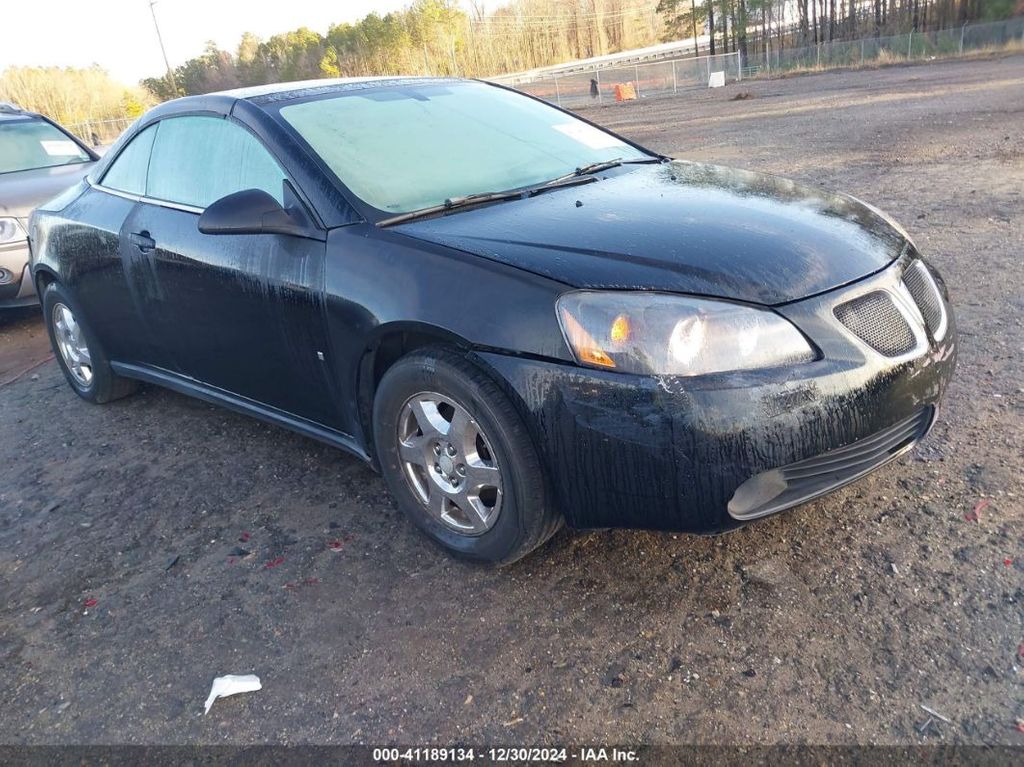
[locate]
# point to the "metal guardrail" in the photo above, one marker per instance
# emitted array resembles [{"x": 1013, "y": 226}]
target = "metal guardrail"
[{"x": 677, "y": 49}]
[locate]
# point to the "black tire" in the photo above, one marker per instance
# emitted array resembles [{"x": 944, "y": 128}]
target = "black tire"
[
  {"x": 105, "y": 385},
  {"x": 527, "y": 516}
]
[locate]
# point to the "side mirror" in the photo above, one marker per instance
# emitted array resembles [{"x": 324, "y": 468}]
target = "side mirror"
[{"x": 251, "y": 211}]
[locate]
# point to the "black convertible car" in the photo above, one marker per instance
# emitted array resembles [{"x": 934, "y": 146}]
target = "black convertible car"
[{"x": 518, "y": 317}]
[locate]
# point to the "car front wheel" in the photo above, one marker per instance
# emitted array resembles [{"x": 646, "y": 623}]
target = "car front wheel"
[
  {"x": 458, "y": 459},
  {"x": 78, "y": 352}
]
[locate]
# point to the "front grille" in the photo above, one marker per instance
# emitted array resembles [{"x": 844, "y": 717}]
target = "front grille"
[
  {"x": 922, "y": 287},
  {"x": 876, "y": 320},
  {"x": 779, "y": 489}
]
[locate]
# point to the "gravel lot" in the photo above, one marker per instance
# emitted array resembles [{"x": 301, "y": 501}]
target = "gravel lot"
[{"x": 832, "y": 623}]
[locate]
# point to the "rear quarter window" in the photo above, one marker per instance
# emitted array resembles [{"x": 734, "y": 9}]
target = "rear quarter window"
[{"x": 128, "y": 172}]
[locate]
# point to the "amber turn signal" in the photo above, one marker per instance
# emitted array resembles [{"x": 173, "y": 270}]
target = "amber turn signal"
[
  {"x": 620, "y": 329},
  {"x": 586, "y": 348}
]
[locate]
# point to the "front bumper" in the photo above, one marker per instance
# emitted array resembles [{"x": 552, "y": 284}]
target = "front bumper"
[
  {"x": 670, "y": 453},
  {"x": 16, "y": 285}
]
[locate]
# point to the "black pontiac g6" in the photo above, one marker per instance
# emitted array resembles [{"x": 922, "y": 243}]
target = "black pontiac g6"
[{"x": 516, "y": 316}]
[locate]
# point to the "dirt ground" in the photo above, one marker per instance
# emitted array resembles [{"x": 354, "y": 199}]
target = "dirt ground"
[
  {"x": 126, "y": 586},
  {"x": 24, "y": 344}
]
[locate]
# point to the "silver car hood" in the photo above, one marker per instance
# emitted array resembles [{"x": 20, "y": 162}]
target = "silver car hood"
[{"x": 23, "y": 191}]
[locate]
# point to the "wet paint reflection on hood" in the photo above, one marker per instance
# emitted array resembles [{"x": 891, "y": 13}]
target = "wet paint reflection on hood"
[{"x": 682, "y": 227}]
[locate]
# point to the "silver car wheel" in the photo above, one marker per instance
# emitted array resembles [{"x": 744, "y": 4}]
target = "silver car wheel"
[
  {"x": 71, "y": 344},
  {"x": 449, "y": 463}
]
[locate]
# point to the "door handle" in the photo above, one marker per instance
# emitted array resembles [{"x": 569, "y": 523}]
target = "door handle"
[{"x": 142, "y": 241}]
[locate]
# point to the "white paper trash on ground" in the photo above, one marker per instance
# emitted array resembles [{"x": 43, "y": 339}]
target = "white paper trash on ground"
[
  {"x": 232, "y": 684},
  {"x": 716, "y": 80}
]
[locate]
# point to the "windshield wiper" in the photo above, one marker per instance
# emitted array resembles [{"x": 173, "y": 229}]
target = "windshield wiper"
[
  {"x": 597, "y": 167},
  {"x": 582, "y": 175},
  {"x": 570, "y": 180},
  {"x": 454, "y": 203}
]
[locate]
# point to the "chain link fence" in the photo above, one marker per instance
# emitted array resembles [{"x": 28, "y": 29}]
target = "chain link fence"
[
  {"x": 100, "y": 132},
  {"x": 598, "y": 86},
  {"x": 912, "y": 46}
]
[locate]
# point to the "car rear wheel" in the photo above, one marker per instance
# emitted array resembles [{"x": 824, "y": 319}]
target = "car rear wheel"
[
  {"x": 458, "y": 460},
  {"x": 78, "y": 352}
]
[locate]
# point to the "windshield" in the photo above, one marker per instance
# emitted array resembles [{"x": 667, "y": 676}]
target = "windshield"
[
  {"x": 409, "y": 147},
  {"x": 30, "y": 144}
]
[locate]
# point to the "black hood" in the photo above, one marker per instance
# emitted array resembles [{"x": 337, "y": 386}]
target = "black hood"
[
  {"x": 23, "y": 191},
  {"x": 681, "y": 227}
]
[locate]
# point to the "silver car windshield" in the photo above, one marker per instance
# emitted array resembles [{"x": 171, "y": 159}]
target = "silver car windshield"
[
  {"x": 409, "y": 147},
  {"x": 31, "y": 144}
]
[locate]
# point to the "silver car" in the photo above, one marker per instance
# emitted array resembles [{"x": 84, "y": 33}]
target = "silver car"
[{"x": 38, "y": 160}]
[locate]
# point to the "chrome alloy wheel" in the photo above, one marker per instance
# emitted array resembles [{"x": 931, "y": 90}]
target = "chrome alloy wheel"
[
  {"x": 448, "y": 461},
  {"x": 71, "y": 344}
]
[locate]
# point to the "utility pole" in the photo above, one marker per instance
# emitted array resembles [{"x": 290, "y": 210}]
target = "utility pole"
[
  {"x": 696, "y": 50},
  {"x": 160, "y": 39}
]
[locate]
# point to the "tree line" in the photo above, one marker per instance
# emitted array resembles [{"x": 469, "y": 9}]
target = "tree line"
[
  {"x": 436, "y": 37},
  {"x": 444, "y": 37},
  {"x": 73, "y": 96},
  {"x": 441, "y": 37},
  {"x": 742, "y": 25}
]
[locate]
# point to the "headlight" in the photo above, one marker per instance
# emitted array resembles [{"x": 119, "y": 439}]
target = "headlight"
[
  {"x": 10, "y": 231},
  {"x": 655, "y": 333}
]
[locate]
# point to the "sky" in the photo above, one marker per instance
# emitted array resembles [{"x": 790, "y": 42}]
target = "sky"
[{"x": 119, "y": 36}]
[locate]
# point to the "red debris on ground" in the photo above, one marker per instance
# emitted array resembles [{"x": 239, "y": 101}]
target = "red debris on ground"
[
  {"x": 339, "y": 543},
  {"x": 975, "y": 516},
  {"x": 244, "y": 537},
  {"x": 292, "y": 586},
  {"x": 274, "y": 562},
  {"x": 91, "y": 602},
  {"x": 1007, "y": 562}
]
